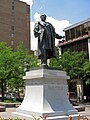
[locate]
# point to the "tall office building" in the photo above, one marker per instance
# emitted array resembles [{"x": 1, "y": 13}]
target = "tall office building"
[{"x": 15, "y": 22}]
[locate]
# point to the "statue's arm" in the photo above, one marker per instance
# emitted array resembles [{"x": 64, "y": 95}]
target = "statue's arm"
[
  {"x": 59, "y": 36},
  {"x": 36, "y": 30}
]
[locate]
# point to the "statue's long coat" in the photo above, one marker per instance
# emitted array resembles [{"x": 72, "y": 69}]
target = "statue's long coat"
[{"x": 46, "y": 39}]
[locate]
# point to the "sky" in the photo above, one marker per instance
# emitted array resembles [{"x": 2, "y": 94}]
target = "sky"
[{"x": 60, "y": 13}]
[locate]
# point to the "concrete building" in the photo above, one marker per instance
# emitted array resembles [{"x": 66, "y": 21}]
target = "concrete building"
[
  {"x": 15, "y": 23},
  {"x": 77, "y": 38}
]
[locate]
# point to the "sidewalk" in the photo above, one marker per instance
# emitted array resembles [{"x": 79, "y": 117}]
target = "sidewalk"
[
  {"x": 86, "y": 112},
  {"x": 8, "y": 113}
]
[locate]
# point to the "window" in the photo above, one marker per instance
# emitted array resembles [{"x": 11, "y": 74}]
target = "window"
[
  {"x": 84, "y": 29},
  {"x": 78, "y": 32},
  {"x": 12, "y": 35},
  {"x": 12, "y": 2},
  {"x": 12, "y": 28},
  {"x": 12, "y": 42},
  {"x": 12, "y": 7},
  {"x": 12, "y": 13},
  {"x": 89, "y": 27},
  {"x": 67, "y": 33},
  {"x": 72, "y": 33}
]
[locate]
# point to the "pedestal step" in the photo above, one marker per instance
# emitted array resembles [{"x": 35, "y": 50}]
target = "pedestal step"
[{"x": 63, "y": 117}]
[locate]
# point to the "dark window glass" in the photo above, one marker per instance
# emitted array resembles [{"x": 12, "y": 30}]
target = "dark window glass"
[
  {"x": 12, "y": 7},
  {"x": 89, "y": 26},
  {"x": 67, "y": 33},
  {"x": 78, "y": 32},
  {"x": 72, "y": 33},
  {"x": 12, "y": 27},
  {"x": 84, "y": 29}
]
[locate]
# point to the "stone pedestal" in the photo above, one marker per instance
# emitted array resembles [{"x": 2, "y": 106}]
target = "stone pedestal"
[{"x": 46, "y": 94}]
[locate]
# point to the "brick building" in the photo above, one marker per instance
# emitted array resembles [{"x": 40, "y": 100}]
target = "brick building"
[
  {"x": 15, "y": 22},
  {"x": 77, "y": 38}
]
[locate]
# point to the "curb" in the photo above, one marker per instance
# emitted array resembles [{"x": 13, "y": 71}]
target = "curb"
[{"x": 2, "y": 108}]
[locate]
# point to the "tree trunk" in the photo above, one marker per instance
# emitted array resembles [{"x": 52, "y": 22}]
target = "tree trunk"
[
  {"x": 2, "y": 90},
  {"x": 18, "y": 93}
]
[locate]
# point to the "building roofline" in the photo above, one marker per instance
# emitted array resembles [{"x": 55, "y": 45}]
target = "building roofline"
[
  {"x": 76, "y": 24},
  {"x": 72, "y": 41},
  {"x": 22, "y": 2}
]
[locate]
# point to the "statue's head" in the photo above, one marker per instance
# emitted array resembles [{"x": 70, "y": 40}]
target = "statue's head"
[{"x": 43, "y": 17}]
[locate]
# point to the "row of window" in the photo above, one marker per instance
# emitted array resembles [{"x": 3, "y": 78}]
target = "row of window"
[
  {"x": 12, "y": 27},
  {"x": 81, "y": 45},
  {"x": 79, "y": 31},
  {"x": 12, "y": 7}
]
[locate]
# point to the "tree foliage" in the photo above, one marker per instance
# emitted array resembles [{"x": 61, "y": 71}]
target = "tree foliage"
[
  {"x": 5, "y": 65},
  {"x": 22, "y": 62},
  {"x": 86, "y": 68},
  {"x": 71, "y": 62},
  {"x": 13, "y": 66}
]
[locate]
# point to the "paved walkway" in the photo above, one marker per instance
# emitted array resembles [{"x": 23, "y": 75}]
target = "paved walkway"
[
  {"x": 86, "y": 112},
  {"x": 8, "y": 113}
]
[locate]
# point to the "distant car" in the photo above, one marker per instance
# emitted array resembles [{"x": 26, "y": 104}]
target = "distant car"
[
  {"x": 13, "y": 96},
  {"x": 10, "y": 95}
]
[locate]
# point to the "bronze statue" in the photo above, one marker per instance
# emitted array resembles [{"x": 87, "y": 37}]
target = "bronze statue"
[{"x": 46, "y": 40}]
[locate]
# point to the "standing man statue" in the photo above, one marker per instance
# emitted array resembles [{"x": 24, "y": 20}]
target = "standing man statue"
[{"x": 46, "y": 40}]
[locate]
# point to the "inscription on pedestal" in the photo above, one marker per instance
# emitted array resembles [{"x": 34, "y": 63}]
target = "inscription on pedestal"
[
  {"x": 56, "y": 87},
  {"x": 46, "y": 81}
]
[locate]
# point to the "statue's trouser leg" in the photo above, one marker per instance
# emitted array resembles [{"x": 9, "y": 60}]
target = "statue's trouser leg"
[{"x": 44, "y": 60}]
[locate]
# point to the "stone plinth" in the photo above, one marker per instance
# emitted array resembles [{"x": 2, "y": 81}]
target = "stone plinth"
[{"x": 46, "y": 93}]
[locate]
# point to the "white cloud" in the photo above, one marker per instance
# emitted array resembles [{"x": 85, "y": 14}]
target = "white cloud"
[
  {"x": 58, "y": 24},
  {"x": 30, "y": 2},
  {"x": 36, "y": 17},
  {"x": 34, "y": 41},
  {"x": 40, "y": 8}
]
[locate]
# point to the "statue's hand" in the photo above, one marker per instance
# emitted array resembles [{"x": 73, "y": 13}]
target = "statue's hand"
[{"x": 36, "y": 34}]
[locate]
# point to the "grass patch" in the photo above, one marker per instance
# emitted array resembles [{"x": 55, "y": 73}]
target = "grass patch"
[{"x": 11, "y": 101}]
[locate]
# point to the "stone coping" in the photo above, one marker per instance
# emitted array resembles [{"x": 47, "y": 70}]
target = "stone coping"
[{"x": 45, "y": 67}]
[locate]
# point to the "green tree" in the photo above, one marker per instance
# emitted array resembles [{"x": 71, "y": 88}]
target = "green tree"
[
  {"x": 22, "y": 62},
  {"x": 6, "y": 58},
  {"x": 13, "y": 66},
  {"x": 86, "y": 68},
  {"x": 71, "y": 62}
]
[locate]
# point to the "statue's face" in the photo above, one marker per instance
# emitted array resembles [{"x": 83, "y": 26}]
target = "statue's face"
[{"x": 43, "y": 17}]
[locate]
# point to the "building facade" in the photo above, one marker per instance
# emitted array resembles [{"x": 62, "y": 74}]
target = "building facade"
[
  {"x": 77, "y": 38},
  {"x": 15, "y": 23}
]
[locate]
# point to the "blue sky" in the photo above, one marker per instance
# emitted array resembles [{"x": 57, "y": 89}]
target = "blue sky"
[
  {"x": 71, "y": 10},
  {"x": 60, "y": 13}
]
